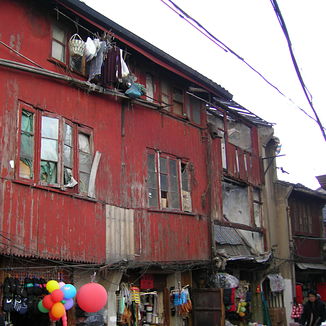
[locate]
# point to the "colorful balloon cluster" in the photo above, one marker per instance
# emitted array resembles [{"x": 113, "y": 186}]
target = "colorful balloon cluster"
[
  {"x": 58, "y": 301},
  {"x": 91, "y": 297}
]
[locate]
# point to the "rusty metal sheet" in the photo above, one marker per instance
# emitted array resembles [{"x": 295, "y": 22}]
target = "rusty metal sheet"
[
  {"x": 44, "y": 224},
  {"x": 120, "y": 230}
]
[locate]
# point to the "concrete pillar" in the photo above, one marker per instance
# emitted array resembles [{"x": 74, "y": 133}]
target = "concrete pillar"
[
  {"x": 174, "y": 280},
  {"x": 112, "y": 285}
]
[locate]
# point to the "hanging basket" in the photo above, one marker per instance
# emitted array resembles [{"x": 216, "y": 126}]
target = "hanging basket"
[{"x": 76, "y": 45}]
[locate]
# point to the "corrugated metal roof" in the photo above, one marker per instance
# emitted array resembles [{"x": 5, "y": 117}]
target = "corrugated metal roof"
[
  {"x": 227, "y": 235},
  {"x": 322, "y": 180},
  {"x": 227, "y": 102}
]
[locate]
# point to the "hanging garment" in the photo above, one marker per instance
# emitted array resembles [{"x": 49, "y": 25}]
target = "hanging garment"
[
  {"x": 111, "y": 70},
  {"x": 299, "y": 294},
  {"x": 95, "y": 68}
]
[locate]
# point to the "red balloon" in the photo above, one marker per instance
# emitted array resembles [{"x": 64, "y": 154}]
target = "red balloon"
[
  {"x": 47, "y": 302},
  {"x": 91, "y": 297},
  {"x": 57, "y": 295}
]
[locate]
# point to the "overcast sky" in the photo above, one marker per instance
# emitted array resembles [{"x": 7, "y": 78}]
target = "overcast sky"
[{"x": 251, "y": 29}]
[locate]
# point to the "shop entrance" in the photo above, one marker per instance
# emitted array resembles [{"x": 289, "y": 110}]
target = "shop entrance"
[{"x": 208, "y": 307}]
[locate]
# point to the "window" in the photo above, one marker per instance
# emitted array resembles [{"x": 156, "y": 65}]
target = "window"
[
  {"x": 59, "y": 43},
  {"x": 194, "y": 109},
  {"x": 26, "y": 156},
  {"x": 149, "y": 88},
  {"x": 165, "y": 95},
  {"x": 242, "y": 203},
  {"x": 85, "y": 160},
  {"x": 49, "y": 156},
  {"x": 168, "y": 182},
  {"x": 178, "y": 101}
]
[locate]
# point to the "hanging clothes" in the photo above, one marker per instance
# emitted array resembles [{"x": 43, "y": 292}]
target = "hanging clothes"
[
  {"x": 95, "y": 68},
  {"x": 111, "y": 69}
]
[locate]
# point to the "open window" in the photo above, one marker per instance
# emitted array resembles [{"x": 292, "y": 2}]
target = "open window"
[
  {"x": 53, "y": 151},
  {"x": 168, "y": 182}
]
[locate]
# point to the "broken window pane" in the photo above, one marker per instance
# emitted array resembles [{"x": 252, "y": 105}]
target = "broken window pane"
[
  {"x": 84, "y": 143},
  {"x": 235, "y": 129},
  {"x": 49, "y": 150},
  {"x": 236, "y": 203},
  {"x": 48, "y": 172},
  {"x": 50, "y": 127}
]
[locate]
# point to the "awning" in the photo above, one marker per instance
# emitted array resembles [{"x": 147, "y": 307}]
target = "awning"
[
  {"x": 311, "y": 266},
  {"x": 233, "y": 247}
]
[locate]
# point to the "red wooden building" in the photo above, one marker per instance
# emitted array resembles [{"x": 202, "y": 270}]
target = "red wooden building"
[{"x": 95, "y": 179}]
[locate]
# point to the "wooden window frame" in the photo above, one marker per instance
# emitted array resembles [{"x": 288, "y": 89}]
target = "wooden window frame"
[
  {"x": 76, "y": 128},
  {"x": 179, "y": 162},
  {"x": 183, "y": 112},
  {"x": 65, "y": 45},
  {"x": 89, "y": 132}
]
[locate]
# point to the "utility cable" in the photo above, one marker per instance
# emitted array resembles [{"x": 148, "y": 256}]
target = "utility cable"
[
  {"x": 305, "y": 90},
  {"x": 194, "y": 23}
]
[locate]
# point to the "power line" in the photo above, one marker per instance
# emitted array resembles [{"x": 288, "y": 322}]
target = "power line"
[
  {"x": 304, "y": 87},
  {"x": 194, "y": 23}
]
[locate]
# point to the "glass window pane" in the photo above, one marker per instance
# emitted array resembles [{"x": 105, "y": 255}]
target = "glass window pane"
[
  {"x": 48, "y": 172},
  {"x": 152, "y": 182},
  {"x": 27, "y": 121},
  {"x": 58, "y": 34},
  {"x": 164, "y": 182},
  {"x": 177, "y": 108},
  {"x": 50, "y": 127},
  {"x": 163, "y": 165},
  {"x": 195, "y": 108},
  {"x": 151, "y": 162},
  {"x": 67, "y": 175},
  {"x": 58, "y": 51},
  {"x": 185, "y": 177},
  {"x": 178, "y": 95},
  {"x": 173, "y": 167},
  {"x": 83, "y": 182},
  {"x": 174, "y": 200},
  {"x": 27, "y": 146},
  {"x": 68, "y": 135},
  {"x": 85, "y": 162},
  {"x": 152, "y": 197},
  {"x": 173, "y": 183},
  {"x": 67, "y": 153},
  {"x": 84, "y": 143},
  {"x": 149, "y": 87},
  {"x": 49, "y": 150}
]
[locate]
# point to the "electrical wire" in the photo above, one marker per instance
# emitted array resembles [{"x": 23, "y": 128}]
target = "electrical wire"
[
  {"x": 304, "y": 87},
  {"x": 199, "y": 27}
]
